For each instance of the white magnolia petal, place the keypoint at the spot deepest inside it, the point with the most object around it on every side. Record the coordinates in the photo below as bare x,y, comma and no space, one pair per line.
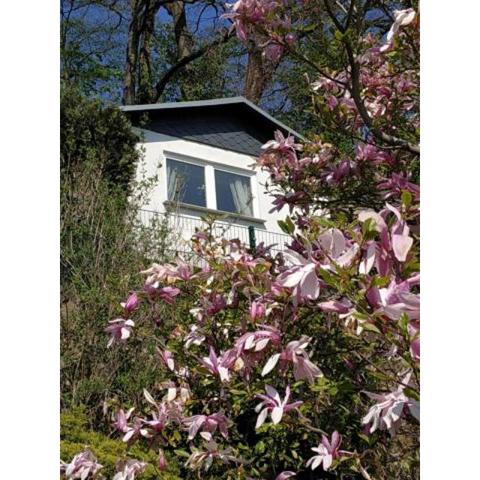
327,462
261,344
270,365
148,397
317,461
277,414
249,343
261,418
272,392
171,394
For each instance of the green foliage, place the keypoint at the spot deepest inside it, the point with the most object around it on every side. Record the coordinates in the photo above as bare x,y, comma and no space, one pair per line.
76,436
103,245
96,139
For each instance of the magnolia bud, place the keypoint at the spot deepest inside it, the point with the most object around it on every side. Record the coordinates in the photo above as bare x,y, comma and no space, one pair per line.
131,303
162,461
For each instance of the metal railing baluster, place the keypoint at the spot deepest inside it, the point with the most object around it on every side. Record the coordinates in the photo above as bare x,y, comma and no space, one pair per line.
182,227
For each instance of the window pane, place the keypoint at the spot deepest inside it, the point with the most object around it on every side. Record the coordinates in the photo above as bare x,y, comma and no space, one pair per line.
186,183
233,193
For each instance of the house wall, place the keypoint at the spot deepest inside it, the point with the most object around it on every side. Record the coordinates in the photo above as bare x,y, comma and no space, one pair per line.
157,147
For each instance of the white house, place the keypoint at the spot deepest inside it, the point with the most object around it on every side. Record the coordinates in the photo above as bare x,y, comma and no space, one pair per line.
203,153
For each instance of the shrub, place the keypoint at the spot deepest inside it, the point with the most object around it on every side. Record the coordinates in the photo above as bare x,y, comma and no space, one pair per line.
102,245
75,436
305,362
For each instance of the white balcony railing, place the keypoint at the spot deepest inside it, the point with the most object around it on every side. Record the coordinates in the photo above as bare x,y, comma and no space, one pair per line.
180,228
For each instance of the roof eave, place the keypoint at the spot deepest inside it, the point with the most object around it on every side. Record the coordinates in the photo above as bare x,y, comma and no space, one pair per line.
210,103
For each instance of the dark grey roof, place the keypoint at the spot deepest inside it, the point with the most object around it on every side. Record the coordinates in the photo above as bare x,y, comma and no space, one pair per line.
230,123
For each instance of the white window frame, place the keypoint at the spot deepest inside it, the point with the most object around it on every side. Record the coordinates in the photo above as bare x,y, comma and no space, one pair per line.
210,190
170,157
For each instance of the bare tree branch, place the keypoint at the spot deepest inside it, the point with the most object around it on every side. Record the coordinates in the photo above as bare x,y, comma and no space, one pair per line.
162,83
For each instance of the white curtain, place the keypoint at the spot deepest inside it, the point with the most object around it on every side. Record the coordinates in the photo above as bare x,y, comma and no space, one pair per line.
173,184
242,197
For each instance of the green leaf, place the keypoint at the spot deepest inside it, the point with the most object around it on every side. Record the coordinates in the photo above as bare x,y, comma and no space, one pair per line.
287,226
370,327
406,198
380,282
182,453
260,447
364,437
409,392
403,322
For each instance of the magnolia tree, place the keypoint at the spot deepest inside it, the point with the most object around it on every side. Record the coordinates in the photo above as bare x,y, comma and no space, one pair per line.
304,364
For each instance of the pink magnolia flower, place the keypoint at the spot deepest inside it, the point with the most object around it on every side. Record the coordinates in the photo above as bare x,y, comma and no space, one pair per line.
166,411
301,277
257,310
131,303
120,330
157,274
128,469
338,172
395,300
182,270
396,184
336,248
402,18
295,353
273,51
258,340
121,420
372,154
159,421
206,423
162,461
281,144
327,450
216,365
273,404
168,294
389,409
395,243
135,430
290,199
206,457
166,358
246,13
336,306
194,337
215,304
285,475
83,465
332,102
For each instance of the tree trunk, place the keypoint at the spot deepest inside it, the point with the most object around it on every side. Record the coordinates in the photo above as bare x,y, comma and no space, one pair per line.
259,74
131,65
183,37
145,92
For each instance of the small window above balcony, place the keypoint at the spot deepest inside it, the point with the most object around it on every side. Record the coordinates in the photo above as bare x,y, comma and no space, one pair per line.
186,183
233,193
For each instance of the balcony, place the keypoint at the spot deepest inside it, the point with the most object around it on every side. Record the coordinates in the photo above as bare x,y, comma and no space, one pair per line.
181,227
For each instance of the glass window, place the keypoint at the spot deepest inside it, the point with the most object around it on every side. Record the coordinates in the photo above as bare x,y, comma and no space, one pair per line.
186,183
233,193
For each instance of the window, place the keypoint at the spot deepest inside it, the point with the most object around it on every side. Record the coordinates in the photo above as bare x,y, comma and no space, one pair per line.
186,183
233,193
